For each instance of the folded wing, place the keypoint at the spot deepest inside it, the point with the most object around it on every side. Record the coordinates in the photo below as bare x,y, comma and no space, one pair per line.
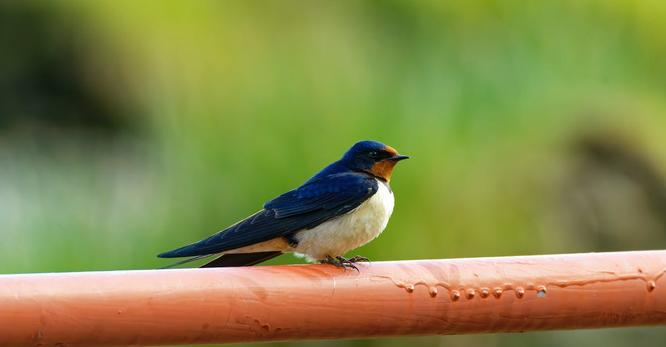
303,208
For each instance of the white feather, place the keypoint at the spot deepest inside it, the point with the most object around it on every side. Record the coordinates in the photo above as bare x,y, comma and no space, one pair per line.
352,230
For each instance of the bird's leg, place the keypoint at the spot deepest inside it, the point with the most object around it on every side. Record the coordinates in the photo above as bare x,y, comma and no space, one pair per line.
341,262
333,261
338,262
346,263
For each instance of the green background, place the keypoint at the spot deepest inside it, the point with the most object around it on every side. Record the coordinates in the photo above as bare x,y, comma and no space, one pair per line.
128,128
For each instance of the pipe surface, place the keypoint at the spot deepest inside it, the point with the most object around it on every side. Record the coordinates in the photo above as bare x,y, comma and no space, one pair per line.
425,297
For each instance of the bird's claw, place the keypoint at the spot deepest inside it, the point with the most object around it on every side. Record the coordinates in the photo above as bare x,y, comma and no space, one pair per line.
339,262
334,261
345,263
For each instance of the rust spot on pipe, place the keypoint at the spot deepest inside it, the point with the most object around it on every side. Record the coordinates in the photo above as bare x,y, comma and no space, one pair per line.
485,292
409,288
651,285
625,277
497,292
432,291
520,292
541,290
455,295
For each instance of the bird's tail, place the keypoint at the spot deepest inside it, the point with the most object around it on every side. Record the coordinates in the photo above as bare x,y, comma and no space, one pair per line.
241,259
188,260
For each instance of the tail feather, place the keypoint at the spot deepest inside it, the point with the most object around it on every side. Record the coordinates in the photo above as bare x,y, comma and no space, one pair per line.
241,259
188,260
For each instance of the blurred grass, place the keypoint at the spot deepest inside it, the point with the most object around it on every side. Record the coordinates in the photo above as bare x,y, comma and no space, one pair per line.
242,100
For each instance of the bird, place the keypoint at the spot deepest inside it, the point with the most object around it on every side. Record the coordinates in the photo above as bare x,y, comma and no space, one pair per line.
342,207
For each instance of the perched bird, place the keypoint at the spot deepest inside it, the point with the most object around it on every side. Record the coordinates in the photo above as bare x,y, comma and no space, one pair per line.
344,206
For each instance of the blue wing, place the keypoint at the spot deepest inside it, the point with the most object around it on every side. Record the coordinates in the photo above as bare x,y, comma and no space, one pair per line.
313,203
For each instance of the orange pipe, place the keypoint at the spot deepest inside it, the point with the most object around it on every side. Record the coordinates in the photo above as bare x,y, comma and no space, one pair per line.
268,303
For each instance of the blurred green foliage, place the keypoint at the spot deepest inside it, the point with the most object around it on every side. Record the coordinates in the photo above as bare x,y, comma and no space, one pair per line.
534,127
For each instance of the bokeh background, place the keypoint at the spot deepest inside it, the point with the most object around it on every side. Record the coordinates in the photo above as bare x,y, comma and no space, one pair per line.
128,128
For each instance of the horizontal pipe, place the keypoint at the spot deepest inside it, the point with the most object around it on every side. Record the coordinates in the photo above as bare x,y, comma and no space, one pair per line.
457,296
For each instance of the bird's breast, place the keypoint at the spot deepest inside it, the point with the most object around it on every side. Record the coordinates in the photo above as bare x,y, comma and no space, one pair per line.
354,229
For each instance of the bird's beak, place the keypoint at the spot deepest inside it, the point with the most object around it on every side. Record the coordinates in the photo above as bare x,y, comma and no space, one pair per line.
398,157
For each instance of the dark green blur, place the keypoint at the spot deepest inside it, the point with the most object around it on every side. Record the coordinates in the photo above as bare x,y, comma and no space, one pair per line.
130,128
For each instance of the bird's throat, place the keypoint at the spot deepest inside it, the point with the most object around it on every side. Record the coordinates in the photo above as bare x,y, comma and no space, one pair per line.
383,169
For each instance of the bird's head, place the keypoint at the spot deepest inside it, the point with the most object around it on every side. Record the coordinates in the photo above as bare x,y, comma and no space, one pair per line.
374,158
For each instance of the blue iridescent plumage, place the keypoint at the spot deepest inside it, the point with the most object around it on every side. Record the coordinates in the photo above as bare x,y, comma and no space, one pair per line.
336,190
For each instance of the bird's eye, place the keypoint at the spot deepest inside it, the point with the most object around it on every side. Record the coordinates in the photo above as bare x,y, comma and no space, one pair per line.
373,154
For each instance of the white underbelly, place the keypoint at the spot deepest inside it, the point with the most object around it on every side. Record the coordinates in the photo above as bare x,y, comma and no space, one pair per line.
352,230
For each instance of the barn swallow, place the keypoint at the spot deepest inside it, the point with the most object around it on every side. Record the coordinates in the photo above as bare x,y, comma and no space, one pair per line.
344,206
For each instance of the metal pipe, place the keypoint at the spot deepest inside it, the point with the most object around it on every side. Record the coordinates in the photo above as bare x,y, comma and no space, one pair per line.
456,296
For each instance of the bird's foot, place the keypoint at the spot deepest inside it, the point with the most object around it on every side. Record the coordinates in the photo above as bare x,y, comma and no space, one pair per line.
339,262
330,260
348,262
